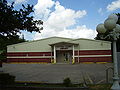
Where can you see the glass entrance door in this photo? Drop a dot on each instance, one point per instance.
(64, 56)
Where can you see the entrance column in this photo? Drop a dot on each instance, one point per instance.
(73, 58)
(54, 54)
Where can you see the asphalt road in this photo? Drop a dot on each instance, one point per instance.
(56, 73)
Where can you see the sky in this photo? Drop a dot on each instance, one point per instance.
(69, 18)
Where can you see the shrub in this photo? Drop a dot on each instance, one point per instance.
(67, 82)
(6, 79)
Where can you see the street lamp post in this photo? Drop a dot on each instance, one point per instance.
(114, 31)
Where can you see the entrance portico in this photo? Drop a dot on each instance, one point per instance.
(63, 52)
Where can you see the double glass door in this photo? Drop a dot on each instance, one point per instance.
(64, 56)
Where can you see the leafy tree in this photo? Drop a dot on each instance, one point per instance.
(118, 41)
(118, 22)
(12, 21)
(4, 41)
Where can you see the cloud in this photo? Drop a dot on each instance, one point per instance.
(100, 10)
(78, 32)
(42, 8)
(57, 20)
(19, 1)
(62, 18)
(114, 5)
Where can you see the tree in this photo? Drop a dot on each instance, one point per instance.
(13, 21)
(4, 41)
(106, 33)
(118, 41)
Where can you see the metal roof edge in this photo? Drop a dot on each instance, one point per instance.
(39, 40)
(70, 39)
(92, 40)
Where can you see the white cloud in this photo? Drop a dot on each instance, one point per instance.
(62, 18)
(57, 21)
(114, 5)
(42, 8)
(99, 10)
(20, 1)
(78, 32)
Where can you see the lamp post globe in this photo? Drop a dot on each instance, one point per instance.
(117, 28)
(113, 16)
(110, 24)
(113, 28)
(100, 28)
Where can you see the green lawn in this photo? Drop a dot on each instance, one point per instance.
(91, 86)
(100, 87)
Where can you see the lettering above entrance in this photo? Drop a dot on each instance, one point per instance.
(64, 48)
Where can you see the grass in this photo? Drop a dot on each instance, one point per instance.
(100, 86)
(90, 86)
(46, 85)
(38, 85)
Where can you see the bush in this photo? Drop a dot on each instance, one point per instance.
(67, 82)
(6, 79)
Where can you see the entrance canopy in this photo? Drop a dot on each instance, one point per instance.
(63, 46)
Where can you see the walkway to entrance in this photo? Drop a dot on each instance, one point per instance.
(56, 73)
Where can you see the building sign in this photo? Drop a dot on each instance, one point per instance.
(64, 48)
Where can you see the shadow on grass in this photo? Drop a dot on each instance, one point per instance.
(30, 86)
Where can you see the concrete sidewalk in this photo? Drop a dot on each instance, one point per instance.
(56, 73)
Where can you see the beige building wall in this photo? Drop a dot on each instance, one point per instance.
(88, 44)
(85, 50)
(43, 45)
(36, 46)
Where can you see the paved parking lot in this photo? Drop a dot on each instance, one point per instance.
(56, 73)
